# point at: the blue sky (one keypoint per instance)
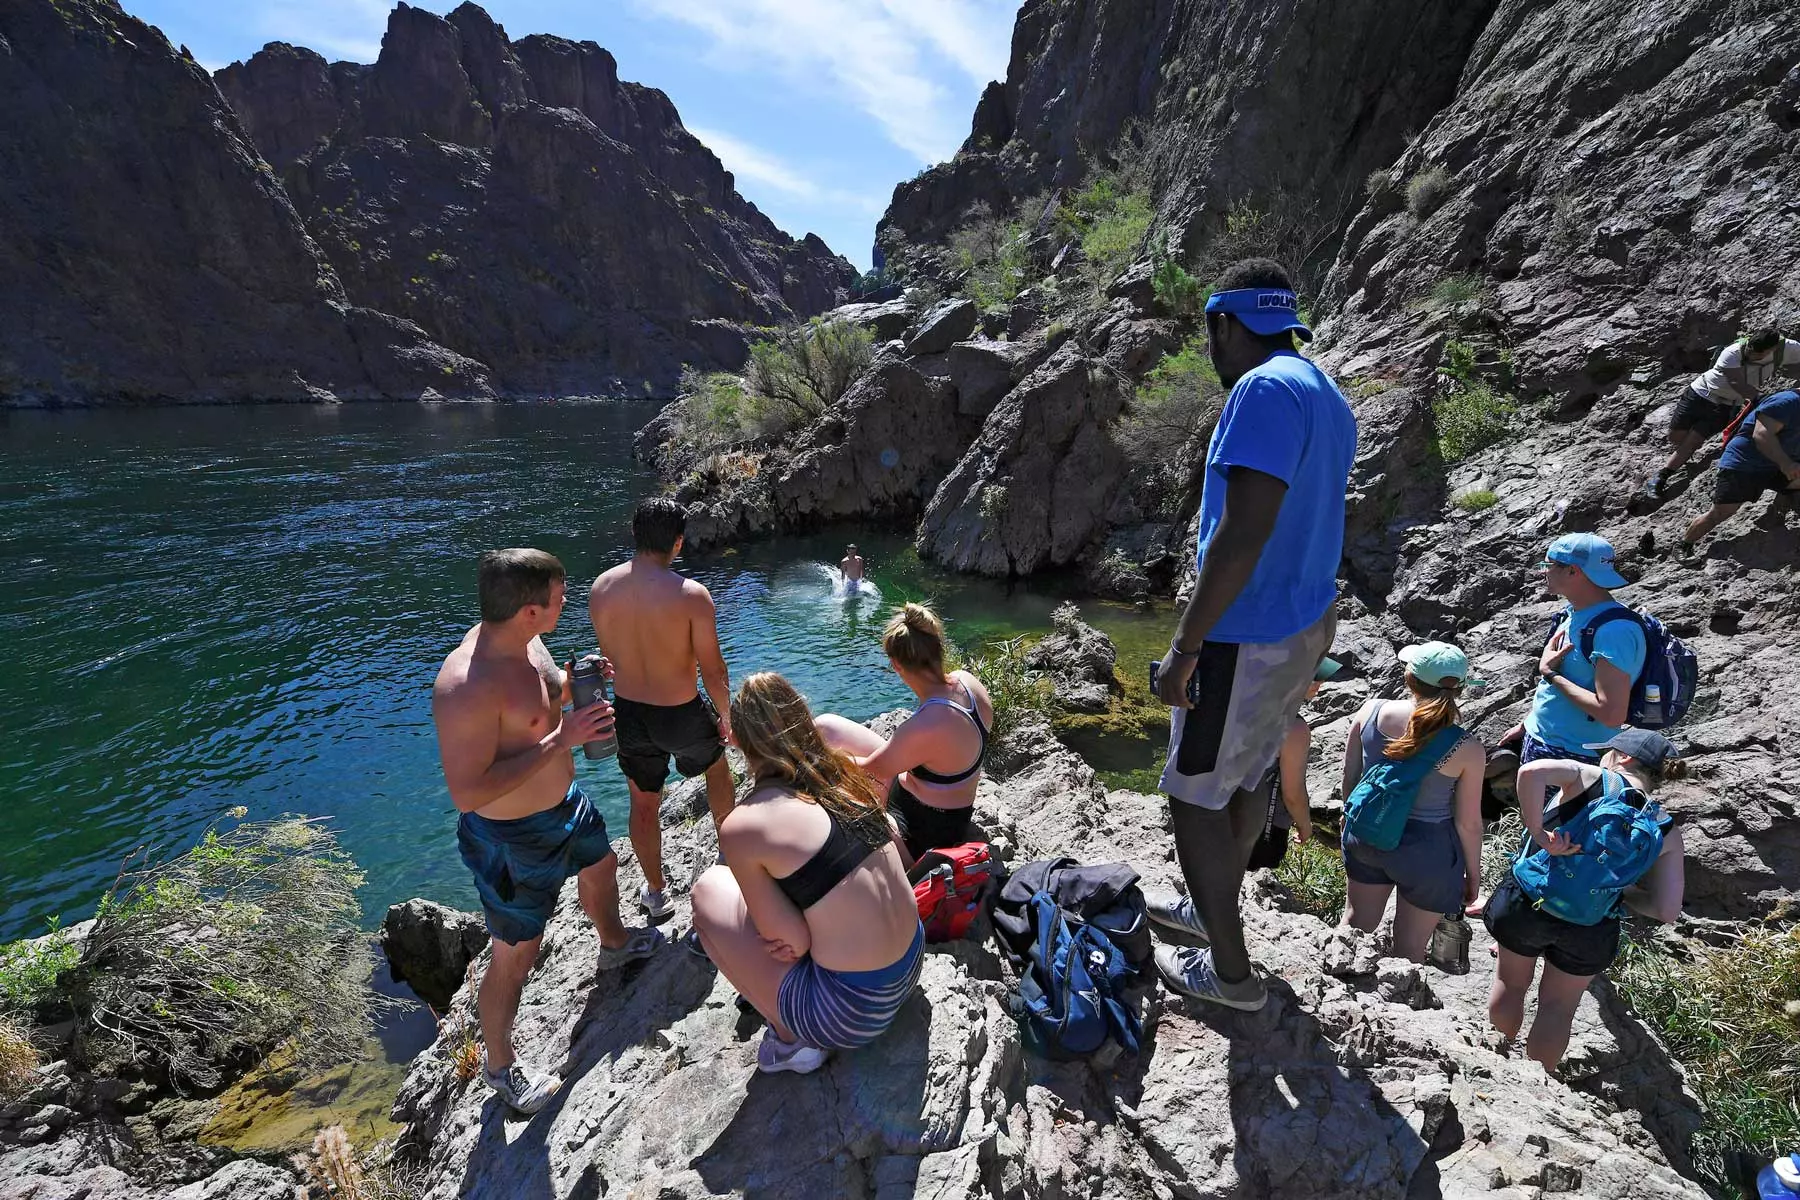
(818, 106)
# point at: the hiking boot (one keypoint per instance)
(641, 944)
(774, 1055)
(656, 905)
(1190, 972)
(525, 1091)
(1178, 913)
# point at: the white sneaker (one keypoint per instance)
(524, 1090)
(656, 904)
(1176, 912)
(773, 1055)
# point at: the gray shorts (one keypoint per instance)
(1426, 868)
(1244, 694)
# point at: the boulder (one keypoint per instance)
(984, 371)
(429, 948)
(1079, 658)
(942, 325)
(885, 321)
(1380, 1081)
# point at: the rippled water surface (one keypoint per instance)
(210, 607)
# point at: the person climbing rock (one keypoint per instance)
(1762, 456)
(526, 826)
(813, 921)
(932, 764)
(1271, 533)
(1745, 370)
(661, 629)
(1579, 700)
(1436, 867)
(1522, 914)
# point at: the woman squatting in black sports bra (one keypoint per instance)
(932, 764)
(813, 921)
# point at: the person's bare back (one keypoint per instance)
(645, 617)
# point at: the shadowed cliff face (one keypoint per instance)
(520, 202)
(148, 255)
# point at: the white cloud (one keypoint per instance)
(349, 29)
(748, 162)
(889, 58)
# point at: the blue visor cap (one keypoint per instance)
(1264, 311)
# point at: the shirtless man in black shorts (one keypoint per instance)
(660, 628)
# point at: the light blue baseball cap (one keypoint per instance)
(1263, 310)
(1591, 554)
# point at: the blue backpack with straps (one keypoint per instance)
(1620, 833)
(1377, 808)
(1069, 989)
(1668, 663)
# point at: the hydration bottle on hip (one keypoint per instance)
(589, 686)
(1780, 1180)
(1653, 706)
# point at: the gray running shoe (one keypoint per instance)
(524, 1090)
(641, 944)
(773, 1055)
(1190, 972)
(1177, 912)
(656, 905)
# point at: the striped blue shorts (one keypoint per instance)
(841, 1010)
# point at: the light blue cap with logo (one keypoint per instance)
(1591, 553)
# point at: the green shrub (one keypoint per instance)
(1174, 406)
(712, 412)
(1453, 290)
(993, 256)
(1470, 418)
(29, 973)
(1018, 692)
(800, 371)
(1476, 501)
(1313, 874)
(1179, 294)
(1725, 1016)
(1383, 190)
(1499, 843)
(1115, 237)
(1426, 191)
(220, 954)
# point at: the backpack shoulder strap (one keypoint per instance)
(1618, 612)
(1442, 744)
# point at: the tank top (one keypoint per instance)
(1437, 793)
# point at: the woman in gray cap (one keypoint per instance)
(1602, 844)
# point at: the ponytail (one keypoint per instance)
(1434, 708)
(914, 639)
(1672, 768)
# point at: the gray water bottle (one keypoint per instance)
(1653, 707)
(589, 685)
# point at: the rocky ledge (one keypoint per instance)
(1364, 1077)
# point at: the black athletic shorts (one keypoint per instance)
(923, 827)
(650, 734)
(1741, 487)
(1570, 948)
(1694, 411)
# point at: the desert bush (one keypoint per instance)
(1018, 692)
(1499, 843)
(1426, 190)
(217, 955)
(1115, 237)
(993, 257)
(18, 1061)
(1179, 293)
(29, 975)
(1470, 418)
(711, 411)
(1452, 290)
(1731, 1016)
(1313, 874)
(798, 372)
(1476, 501)
(1173, 408)
(1383, 190)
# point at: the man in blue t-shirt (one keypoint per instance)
(1763, 456)
(1271, 533)
(1580, 700)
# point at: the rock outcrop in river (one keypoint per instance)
(523, 204)
(1364, 1077)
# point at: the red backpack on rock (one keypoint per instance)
(951, 887)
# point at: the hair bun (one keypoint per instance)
(1674, 768)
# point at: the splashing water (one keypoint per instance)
(847, 589)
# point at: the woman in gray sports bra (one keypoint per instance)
(1436, 868)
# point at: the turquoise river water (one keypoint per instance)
(203, 608)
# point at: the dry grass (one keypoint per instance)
(18, 1061)
(335, 1170)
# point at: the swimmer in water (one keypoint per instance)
(852, 566)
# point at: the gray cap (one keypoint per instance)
(1651, 749)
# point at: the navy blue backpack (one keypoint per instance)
(1069, 988)
(1668, 663)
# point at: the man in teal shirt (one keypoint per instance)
(1581, 700)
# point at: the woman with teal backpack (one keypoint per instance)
(1412, 808)
(1604, 843)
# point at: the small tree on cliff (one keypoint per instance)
(802, 370)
